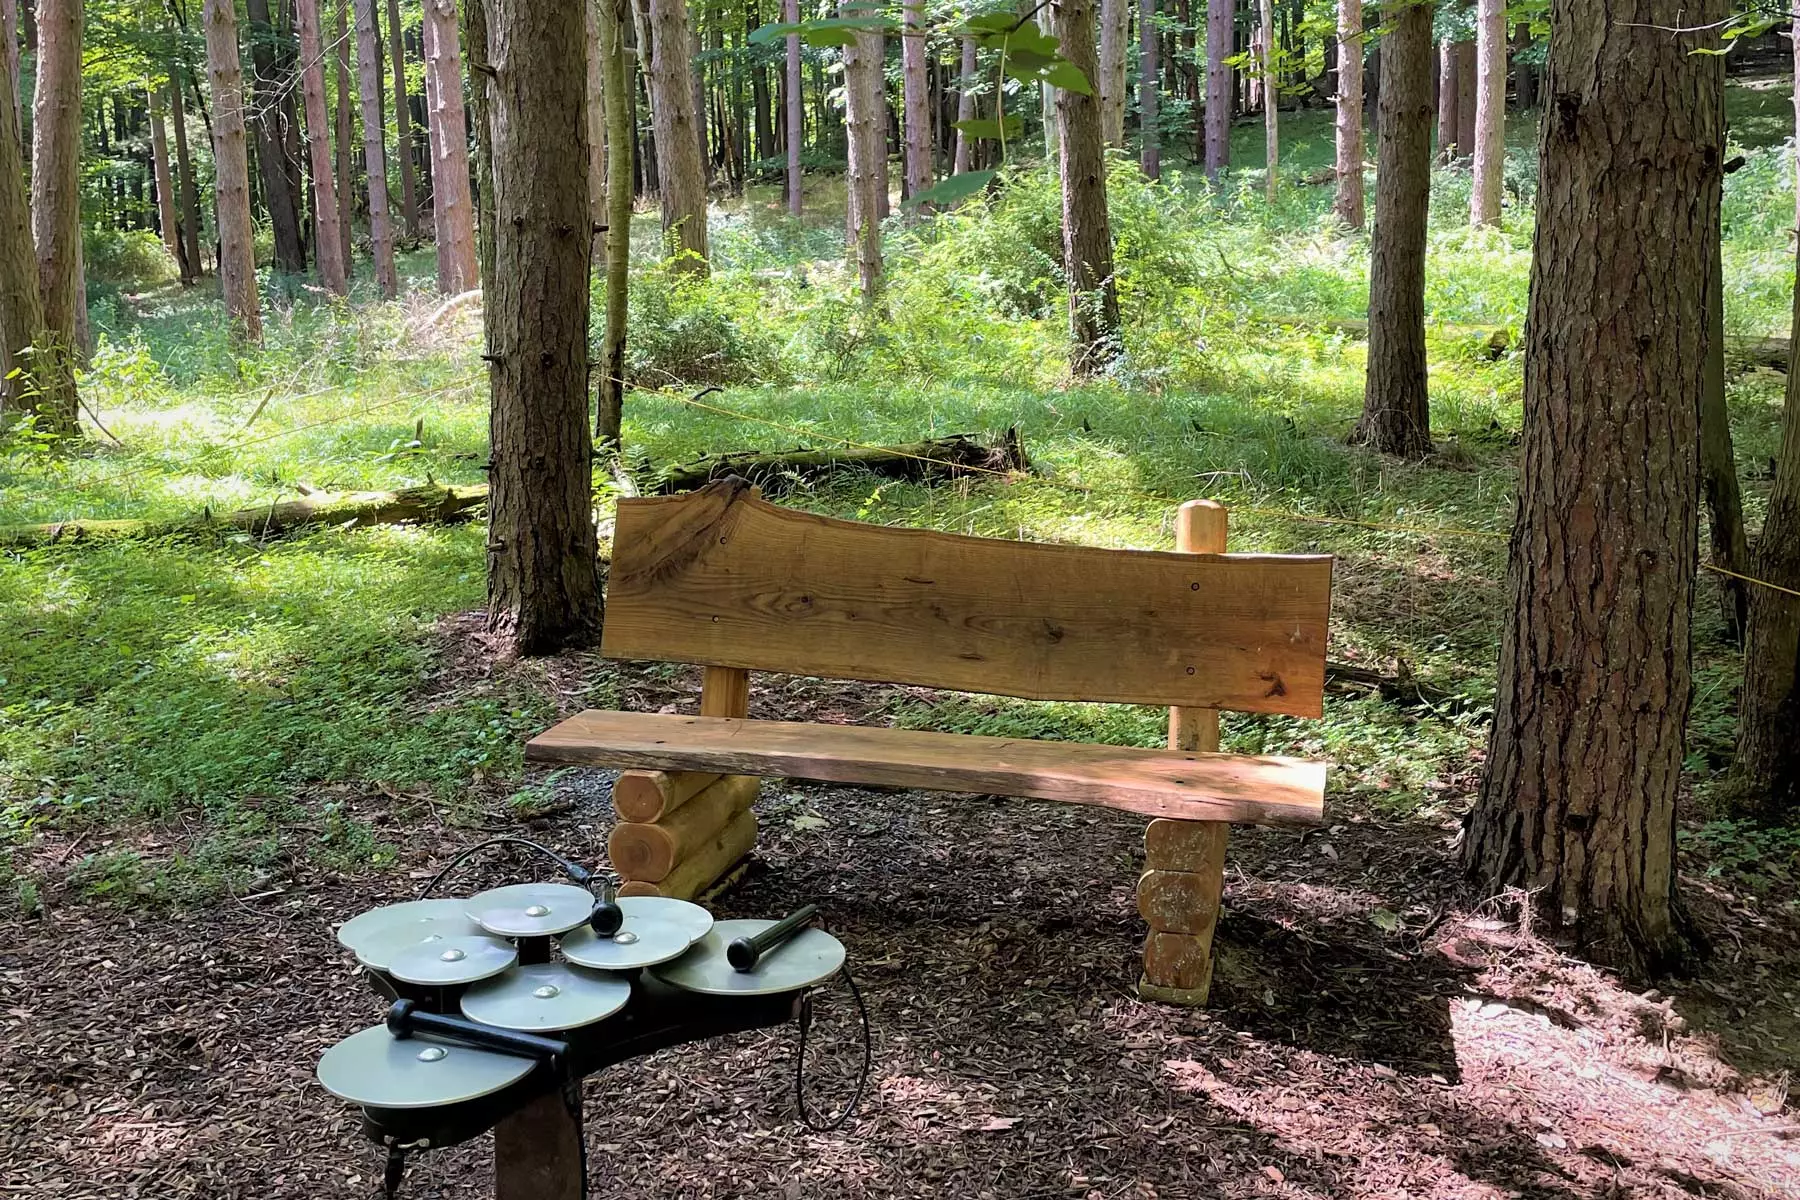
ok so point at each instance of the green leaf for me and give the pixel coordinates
(823, 32)
(985, 127)
(1065, 74)
(994, 22)
(1385, 920)
(955, 189)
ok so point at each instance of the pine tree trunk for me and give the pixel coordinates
(697, 82)
(1465, 100)
(56, 210)
(1490, 114)
(1220, 88)
(186, 194)
(1794, 36)
(1718, 462)
(1446, 101)
(594, 106)
(21, 302)
(167, 224)
(344, 143)
(1149, 145)
(403, 141)
(865, 120)
(9, 62)
(369, 60)
(279, 177)
(452, 207)
(680, 171)
(1047, 94)
(481, 124)
(796, 113)
(1349, 206)
(327, 232)
(1524, 75)
(965, 105)
(231, 172)
(1271, 105)
(543, 563)
(618, 88)
(1584, 764)
(1115, 22)
(1396, 416)
(916, 100)
(1087, 232)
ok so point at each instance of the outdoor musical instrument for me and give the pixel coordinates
(544, 996)
(801, 959)
(448, 962)
(531, 909)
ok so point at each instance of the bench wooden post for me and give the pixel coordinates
(1184, 861)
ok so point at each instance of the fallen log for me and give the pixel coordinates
(1345, 679)
(426, 504)
(932, 459)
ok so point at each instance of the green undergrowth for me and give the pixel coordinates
(242, 702)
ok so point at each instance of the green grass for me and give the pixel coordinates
(238, 695)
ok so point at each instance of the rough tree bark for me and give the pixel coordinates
(369, 59)
(594, 109)
(279, 177)
(327, 232)
(452, 207)
(21, 303)
(1149, 145)
(187, 194)
(1490, 113)
(56, 210)
(1087, 232)
(1115, 30)
(9, 62)
(166, 221)
(681, 175)
(403, 134)
(1446, 101)
(231, 172)
(344, 141)
(1396, 416)
(543, 570)
(1349, 206)
(865, 122)
(1220, 87)
(796, 113)
(475, 48)
(1271, 104)
(1718, 462)
(965, 105)
(1584, 763)
(1465, 99)
(914, 99)
(617, 86)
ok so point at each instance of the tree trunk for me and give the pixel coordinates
(187, 194)
(403, 141)
(481, 122)
(965, 105)
(1271, 105)
(1087, 233)
(452, 207)
(327, 232)
(1718, 462)
(1584, 765)
(56, 210)
(594, 110)
(697, 83)
(21, 301)
(279, 177)
(9, 63)
(167, 225)
(1465, 99)
(1794, 36)
(1149, 146)
(543, 568)
(343, 141)
(1396, 416)
(369, 59)
(1446, 101)
(1115, 31)
(1349, 206)
(1220, 18)
(865, 119)
(1047, 94)
(1490, 114)
(618, 87)
(231, 172)
(918, 108)
(1524, 75)
(796, 113)
(681, 174)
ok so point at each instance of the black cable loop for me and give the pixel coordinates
(575, 871)
(862, 1076)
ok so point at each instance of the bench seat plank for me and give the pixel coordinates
(1192, 786)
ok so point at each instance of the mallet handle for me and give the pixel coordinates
(744, 953)
(405, 1019)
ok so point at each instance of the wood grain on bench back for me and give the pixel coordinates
(721, 577)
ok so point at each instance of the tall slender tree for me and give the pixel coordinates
(167, 224)
(1465, 99)
(475, 44)
(403, 140)
(966, 86)
(543, 563)
(1115, 31)
(594, 104)
(280, 175)
(452, 206)
(327, 231)
(9, 60)
(369, 60)
(865, 121)
(618, 87)
(1396, 416)
(56, 209)
(1271, 80)
(1446, 101)
(21, 301)
(187, 193)
(918, 166)
(675, 118)
(1349, 204)
(1149, 140)
(231, 171)
(1220, 86)
(796, 112)
(344, 139)
(1718, 461)
(1585, 760)
(1490, 113)
(1087, 231)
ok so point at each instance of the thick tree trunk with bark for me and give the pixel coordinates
(1490, 114)
(1584, 765)
(543, 568)
(231, 172)
(1396, 415)
(1718, 463)
(865, 121)
(1149, 144)
(918, 109)
(9, 63)
(327, 232)
(1087, 231)
(186, 193)
(21, 303)
(1465, 99)
(280, 178)
(452, 207)
(344, 142)
(167, 224)
(681, 175)
(1271, 105)
(1349, 206)
(796, 113)
(369, 60)
(1115, 30)
(1220, 88)
(56, 210)
(965, 105)
(618, 86)
(403, 140)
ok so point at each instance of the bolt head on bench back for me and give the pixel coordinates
(723, 578)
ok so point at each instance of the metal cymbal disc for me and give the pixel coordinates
(809, 957)
(391, 924)
(531, 909)
(693, 919)
(376, 1069)
(546, 996)
(453, 961)
(641, 942)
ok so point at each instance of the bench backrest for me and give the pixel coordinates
(723, 578)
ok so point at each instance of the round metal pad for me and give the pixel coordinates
(690, 917)
(809, 957)
(453, 961)
(531, 909)
(375, 935)
(546, 996)
(376, 1069)
(641, 942)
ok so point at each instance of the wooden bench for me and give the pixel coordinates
(723, 579)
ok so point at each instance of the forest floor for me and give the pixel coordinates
(213, 749)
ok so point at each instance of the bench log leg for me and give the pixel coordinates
(537, 1153)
